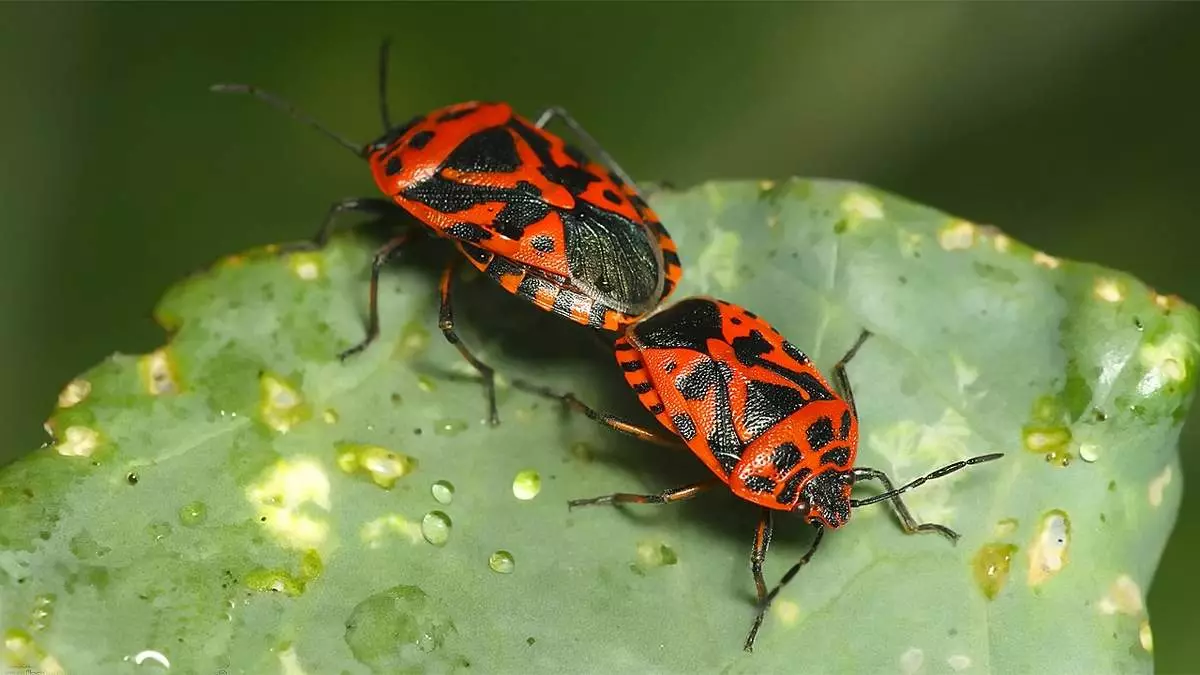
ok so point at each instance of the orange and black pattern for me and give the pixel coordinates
(748, 403)
(532, 212)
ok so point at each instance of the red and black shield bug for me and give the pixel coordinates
(572, 235)
(759, 415)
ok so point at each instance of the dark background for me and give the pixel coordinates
(1071, 126)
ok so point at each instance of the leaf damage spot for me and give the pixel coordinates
(158, 373)
(383, 466)
(959, 662)
(1158, 485)
(1145, 637)
(1124, 596)
(374, 532)
(957, 235)
(1005, 527)
(1048, 550)
(862, 206)
(991, 566)
(282, 500)
(911, 661)
(1108, 290)
(306, 266)
(786, 611)
(1045, 260)
(74, 393)
(78, 441)
(652, 554)
(281, 406)
(1166, 362)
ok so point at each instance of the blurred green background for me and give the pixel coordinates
(1071, 126)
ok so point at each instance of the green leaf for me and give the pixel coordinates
(240, 500)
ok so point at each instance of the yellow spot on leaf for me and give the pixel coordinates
(858, 205)
(375, 532)
(1047, 261)
(1166, 361)
(158, 373)
(285, 499)
(74, 393)
(958, 234)
(1048, 550)
(787, 611)
(1108, 290)
(959, 662)
(281, 406)
(1145, 637)
(78, 441)
(1124, 596)
(1002, 243)
(306, 266)
(911, 661)
(1158, 485)
(383, 466)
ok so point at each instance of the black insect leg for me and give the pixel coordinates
(666, 497)
(907, 521)
(382, 256)
(839, 371)
(371, 205)
(446, 323)
(765, 603)
(591, 145)
(610, 421)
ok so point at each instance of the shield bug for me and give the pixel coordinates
(760, 416)
(566, 230)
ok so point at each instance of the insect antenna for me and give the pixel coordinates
(289, 109)
(948, 469)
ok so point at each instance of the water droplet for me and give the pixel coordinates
(527, 485)
(449, 427)
(193, 514)
(443, 491)
(131, 478)
(435, 527)
(502, 562)
(399, 630)
(425, 384)
(990, 566)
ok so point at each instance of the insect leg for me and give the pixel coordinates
(667, 496)
(377, 207)
(446, 323)
(382, 256)
(839, 371)
(591, 145)
(765, 603)
(610, 421)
